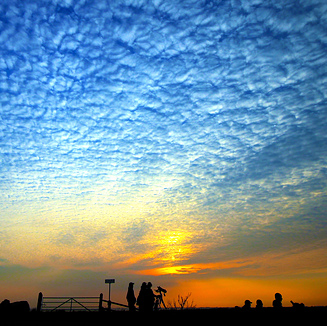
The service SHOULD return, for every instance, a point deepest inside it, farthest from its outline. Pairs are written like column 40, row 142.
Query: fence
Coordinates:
column 115, row 303
column 69, row 303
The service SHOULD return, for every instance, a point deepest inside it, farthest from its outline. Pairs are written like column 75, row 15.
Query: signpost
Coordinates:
column 109, row 281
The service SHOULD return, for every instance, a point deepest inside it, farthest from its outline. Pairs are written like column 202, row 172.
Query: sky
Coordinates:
column 181, row 142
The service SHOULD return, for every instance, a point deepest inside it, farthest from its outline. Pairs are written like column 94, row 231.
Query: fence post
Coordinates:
column 39, row 302
column 100, row 301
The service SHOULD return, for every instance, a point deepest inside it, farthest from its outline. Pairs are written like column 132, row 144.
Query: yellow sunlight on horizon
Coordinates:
column 168, row 248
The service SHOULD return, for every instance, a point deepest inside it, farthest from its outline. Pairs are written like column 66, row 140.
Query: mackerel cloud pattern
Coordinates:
column 217, row 104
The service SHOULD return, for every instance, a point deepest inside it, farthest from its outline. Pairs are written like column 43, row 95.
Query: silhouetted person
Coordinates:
column 259, row 304
column 141, row 297
column 247, row 305
column 149, row 298
column 277, row 303
column 130, row 297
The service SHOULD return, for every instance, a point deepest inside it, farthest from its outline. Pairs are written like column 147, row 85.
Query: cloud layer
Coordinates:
column 127, row 123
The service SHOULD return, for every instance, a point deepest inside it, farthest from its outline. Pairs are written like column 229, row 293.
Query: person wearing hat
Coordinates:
column 130, row 297
column 247, row 304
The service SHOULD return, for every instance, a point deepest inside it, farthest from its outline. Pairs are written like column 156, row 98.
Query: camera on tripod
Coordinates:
column 161, row 290
column 159, row 299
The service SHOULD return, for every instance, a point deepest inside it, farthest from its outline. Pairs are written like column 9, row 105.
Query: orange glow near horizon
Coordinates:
column 293, row 262
column 205, row 292
column 230, row 292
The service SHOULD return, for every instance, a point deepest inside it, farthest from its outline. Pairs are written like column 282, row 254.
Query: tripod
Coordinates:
column 159, row 299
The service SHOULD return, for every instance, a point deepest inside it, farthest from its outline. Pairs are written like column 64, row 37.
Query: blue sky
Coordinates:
column 178, row 133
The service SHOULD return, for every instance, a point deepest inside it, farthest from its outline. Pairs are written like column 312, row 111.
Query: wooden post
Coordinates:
column 39, row 302
column 100, row 302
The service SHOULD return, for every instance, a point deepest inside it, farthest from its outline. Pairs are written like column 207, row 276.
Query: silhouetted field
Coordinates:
column 198, row 316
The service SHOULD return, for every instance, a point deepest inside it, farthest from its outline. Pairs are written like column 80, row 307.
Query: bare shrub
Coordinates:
column 183, row 302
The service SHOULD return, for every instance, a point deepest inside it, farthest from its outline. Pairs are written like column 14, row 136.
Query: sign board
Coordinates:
column 110, row 280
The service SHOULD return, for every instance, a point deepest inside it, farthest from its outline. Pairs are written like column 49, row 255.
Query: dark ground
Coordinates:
column 214, row 316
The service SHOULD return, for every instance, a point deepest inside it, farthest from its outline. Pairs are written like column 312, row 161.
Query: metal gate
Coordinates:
column 69, row 304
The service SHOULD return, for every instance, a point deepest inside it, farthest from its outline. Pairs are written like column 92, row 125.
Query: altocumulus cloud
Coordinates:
column 215, row 107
